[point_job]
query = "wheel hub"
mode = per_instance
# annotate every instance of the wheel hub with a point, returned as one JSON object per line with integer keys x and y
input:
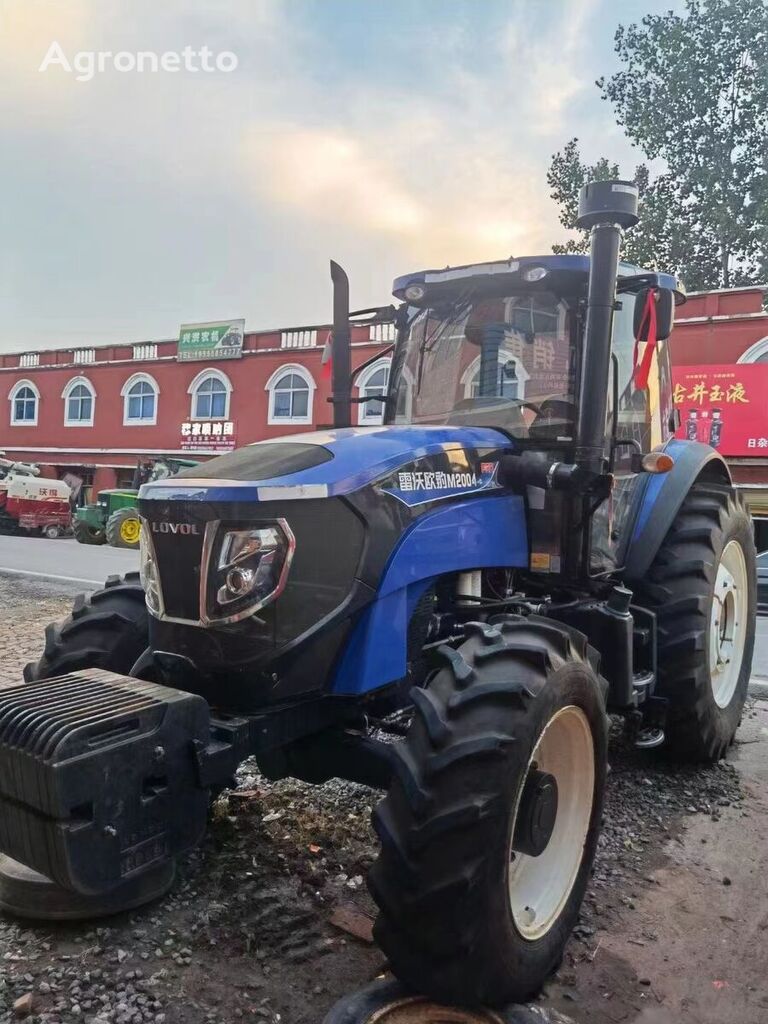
{"x": 536, "y": 814}
{"x": 552, "y": 818}
{"x": 129, "y": 531}
{"x": 728, "y": 622}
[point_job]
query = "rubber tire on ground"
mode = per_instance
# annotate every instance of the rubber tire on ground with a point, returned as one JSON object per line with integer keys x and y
{"x": 385, "y": 1001}
{"x": 27, "y": 894}
{"x": 680, "y": 589}
{"x": 86, "y": 534}
{"x": 51, "y": 532}
{"x": 107, "y": 629}
{"x": 440, "y": 880}
{"x": 114, "y": 527}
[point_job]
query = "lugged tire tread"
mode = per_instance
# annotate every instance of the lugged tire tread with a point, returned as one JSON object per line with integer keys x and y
{"x": 107, "y": 629}
{"x": 678, "y": 589}
{"x": 428, "y": 925}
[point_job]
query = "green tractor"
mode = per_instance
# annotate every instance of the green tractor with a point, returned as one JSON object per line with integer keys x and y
{"x": 113, "y": 519}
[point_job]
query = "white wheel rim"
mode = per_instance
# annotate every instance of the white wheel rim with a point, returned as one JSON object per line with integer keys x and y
{"x": 539, "y": 887}
{"x": 728, "y": 623}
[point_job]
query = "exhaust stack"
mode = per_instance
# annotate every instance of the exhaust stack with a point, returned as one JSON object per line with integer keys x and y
{"x": 341, "y": 356}
{"x": 605, "y": 207}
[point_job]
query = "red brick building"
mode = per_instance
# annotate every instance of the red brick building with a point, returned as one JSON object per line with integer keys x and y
{"x": 93, "y": 412}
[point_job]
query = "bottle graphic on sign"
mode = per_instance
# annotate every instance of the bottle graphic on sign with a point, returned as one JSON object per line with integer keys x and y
{"x": 692, "y": 425}
{"x": 716, "y": 428}
{"x": 703, "y": 431}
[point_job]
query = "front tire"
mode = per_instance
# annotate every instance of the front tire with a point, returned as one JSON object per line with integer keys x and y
{"x": 465, "y": 915}
{"x": 703, "y": 587}
{"x": 124, "y": 528}
{"x": 107, "y": 629}
{"x": 87, "y": 534}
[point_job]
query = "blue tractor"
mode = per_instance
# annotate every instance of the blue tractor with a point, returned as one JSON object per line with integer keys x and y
{"x": 520, "y": 548}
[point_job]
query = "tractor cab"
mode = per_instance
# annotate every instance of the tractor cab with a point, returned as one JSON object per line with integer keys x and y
{"x": 501, "y": 345}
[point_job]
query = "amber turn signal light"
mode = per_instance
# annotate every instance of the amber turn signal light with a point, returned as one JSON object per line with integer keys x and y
{"x": 657, "y": 462}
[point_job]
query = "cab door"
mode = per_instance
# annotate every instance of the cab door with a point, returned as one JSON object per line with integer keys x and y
{"x": 645, "y": 417}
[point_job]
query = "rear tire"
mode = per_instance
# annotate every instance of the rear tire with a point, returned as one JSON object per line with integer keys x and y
{"x": 87, "y": 534}
{"x": 464, "y": 917}
{"x": 52, "y": 531}
{"x": 108, "y": 629}
{"x": 705, "y": 640}
{"x": 124, "y": 528}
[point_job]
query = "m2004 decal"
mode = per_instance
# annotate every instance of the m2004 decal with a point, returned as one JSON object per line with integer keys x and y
{"x": 438, "y": 477}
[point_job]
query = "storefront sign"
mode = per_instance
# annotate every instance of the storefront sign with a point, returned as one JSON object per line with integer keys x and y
{"x": 208, "y": 436}
{"x": 222, "y": 339}
{"x": 724, "y": 406}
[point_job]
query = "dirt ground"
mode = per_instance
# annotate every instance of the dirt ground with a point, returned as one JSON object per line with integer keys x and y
{"x": 675, "y": 926}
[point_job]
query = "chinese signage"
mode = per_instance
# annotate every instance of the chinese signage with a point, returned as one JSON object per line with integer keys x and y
{"x": 724, "y": 406}
{"x": 208, "y": 436}
{"x": 220, "y": 340}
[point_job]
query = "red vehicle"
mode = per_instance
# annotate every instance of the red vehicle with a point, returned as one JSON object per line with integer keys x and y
{"x": 32, "y": 504}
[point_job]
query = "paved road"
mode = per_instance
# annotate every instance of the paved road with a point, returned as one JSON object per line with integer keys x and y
{"x": 64, "y": 559}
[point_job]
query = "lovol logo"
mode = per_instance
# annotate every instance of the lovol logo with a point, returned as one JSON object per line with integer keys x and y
{"x": 183, "y": 528}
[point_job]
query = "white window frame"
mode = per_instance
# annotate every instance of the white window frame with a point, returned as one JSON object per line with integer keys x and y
{"x": 125, "y": 394}
{"x": 69, "y": 388}
{"x": 306, "y": 376}
{"x": 364, "y": 418}
{"x": 754, "y": 352}
{"x": 468, "y": 377}
{"x": 195, "y": 384}
{"x": 12, "y": 398}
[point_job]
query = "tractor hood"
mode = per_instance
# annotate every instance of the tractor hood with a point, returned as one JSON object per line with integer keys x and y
{"x": 335, "y": 507}
{"x": 321, "y": 464}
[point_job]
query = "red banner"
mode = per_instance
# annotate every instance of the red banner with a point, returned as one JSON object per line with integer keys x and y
{"x": 724, "y": 405}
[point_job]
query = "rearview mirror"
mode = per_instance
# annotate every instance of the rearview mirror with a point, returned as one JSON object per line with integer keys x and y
{"x": 665, "y": 313}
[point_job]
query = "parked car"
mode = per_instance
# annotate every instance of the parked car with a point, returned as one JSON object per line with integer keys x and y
{"x": 762, "y": 581}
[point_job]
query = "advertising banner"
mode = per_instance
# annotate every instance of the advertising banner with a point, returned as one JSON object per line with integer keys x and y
{"x": 724, "y": 405}
{"x": 221, "y": 339}
{"x": 214, "y": 436}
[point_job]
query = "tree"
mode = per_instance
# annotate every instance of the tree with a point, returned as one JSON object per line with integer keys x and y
{"x": 693, "y": 95}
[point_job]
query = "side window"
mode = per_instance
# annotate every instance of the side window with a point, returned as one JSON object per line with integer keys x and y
{"x": 643, "y": 413}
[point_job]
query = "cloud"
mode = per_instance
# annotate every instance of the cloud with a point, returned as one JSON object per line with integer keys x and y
{"x": 147, "y": 199}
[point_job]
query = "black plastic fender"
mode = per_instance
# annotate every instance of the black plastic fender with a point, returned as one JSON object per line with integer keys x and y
{"x": 375, "y": 1002}
{"x": 666, "y": 493}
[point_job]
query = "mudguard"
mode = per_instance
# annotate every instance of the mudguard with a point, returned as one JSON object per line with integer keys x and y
{"x": 662, "y": 497}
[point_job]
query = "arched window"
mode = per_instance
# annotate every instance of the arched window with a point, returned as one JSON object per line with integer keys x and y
{"x": 373, "y": 381}
{"x": 139, "y": 395}
{"x": 210, "y": 390}
{"x": 757, "y": 353}
{"x": 291, "y": 391}
{"x": 24, "y": 398}
{"x": 79, "y": 403}
{"x": 511, "y": 380}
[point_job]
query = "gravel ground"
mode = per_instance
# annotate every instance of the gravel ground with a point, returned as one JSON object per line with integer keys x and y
{"x": 246, "y": 932}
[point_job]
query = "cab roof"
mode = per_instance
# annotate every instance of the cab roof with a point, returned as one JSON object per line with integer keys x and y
{"x": 563, "y": 274}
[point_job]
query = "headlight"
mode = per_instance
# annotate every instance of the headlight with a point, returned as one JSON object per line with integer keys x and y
{"x": 148, "y": 574}
{"x": 535, "y": 274}
{"x": 247, "y": 570}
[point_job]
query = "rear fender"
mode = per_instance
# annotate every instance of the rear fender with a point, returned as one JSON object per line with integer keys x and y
{"x": 663, "y": 496}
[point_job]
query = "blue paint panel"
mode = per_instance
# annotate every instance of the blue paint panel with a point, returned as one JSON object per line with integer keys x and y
{"x": 654, "y": 487}
{"x": 478, "y": 533}
{"x": 360, "y": 455}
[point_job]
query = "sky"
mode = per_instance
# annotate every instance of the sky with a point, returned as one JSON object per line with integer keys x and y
{"x": 390, "y": 135}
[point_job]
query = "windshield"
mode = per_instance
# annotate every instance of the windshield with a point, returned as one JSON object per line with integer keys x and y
{"x": 502, "y": 361}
